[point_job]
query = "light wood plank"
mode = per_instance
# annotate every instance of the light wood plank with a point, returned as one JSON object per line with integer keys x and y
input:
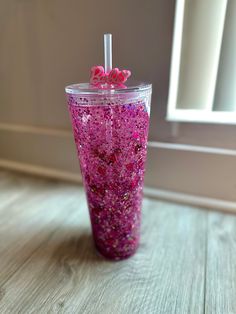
{"x": 29, "y": 219}
{"x": 11, "y": 187}
{"x": 221, "y": 264}
{"x": 64, "y": 274}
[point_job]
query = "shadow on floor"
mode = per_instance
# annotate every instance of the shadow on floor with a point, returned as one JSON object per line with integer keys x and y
{"x": 77, "y": 248}
{"x": 72, "y": 246}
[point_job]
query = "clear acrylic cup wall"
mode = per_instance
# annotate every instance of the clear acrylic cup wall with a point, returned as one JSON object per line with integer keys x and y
{"x": 110, "y": 128}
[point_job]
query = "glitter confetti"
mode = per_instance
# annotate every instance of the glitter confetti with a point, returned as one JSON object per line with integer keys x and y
{"x": 111, "y": 140}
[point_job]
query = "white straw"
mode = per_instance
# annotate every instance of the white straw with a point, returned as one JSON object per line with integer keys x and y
{"x": 107, "y": 52}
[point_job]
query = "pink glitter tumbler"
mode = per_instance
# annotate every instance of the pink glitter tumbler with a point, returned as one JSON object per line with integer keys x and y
{"x": 110, "y": 121}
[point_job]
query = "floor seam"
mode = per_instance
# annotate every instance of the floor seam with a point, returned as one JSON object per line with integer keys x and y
{"x": 205, "y": 266}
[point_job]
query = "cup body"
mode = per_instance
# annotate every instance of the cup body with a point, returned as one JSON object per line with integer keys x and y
{"x": 110, "y": 132}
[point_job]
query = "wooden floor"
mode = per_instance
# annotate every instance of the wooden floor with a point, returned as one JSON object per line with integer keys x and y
{"x": 186, "y": 262}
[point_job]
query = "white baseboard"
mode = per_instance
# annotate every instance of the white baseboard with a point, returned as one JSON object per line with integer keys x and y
{"x": 205, "y": 172}
{"x": 31, "y": 129}
{"x": 166, "y": 195}
{"x": 193, "y": 200}
{"x": 40, "y": 171}
{"x": 182, "y": 198}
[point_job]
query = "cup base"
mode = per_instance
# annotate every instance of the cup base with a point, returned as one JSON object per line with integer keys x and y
{"x": 112, "y": 256}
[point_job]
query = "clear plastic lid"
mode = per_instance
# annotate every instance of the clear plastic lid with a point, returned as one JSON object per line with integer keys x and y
{"x": 107, "y": 89}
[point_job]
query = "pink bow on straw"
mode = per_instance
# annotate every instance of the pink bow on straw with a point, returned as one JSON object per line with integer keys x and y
{"x": 115, "y": 76}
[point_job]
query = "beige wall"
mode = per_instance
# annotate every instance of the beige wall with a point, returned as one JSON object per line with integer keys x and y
{"x": 46, "y": 44}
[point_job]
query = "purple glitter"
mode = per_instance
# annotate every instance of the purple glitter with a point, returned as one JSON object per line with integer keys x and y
{"x": 111, "y": 143}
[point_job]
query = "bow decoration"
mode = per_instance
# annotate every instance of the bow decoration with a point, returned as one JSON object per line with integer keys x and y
{"x": 115, "y": 76}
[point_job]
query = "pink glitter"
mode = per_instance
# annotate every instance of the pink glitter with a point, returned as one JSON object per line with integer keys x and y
{"x": 111, "y": 142}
